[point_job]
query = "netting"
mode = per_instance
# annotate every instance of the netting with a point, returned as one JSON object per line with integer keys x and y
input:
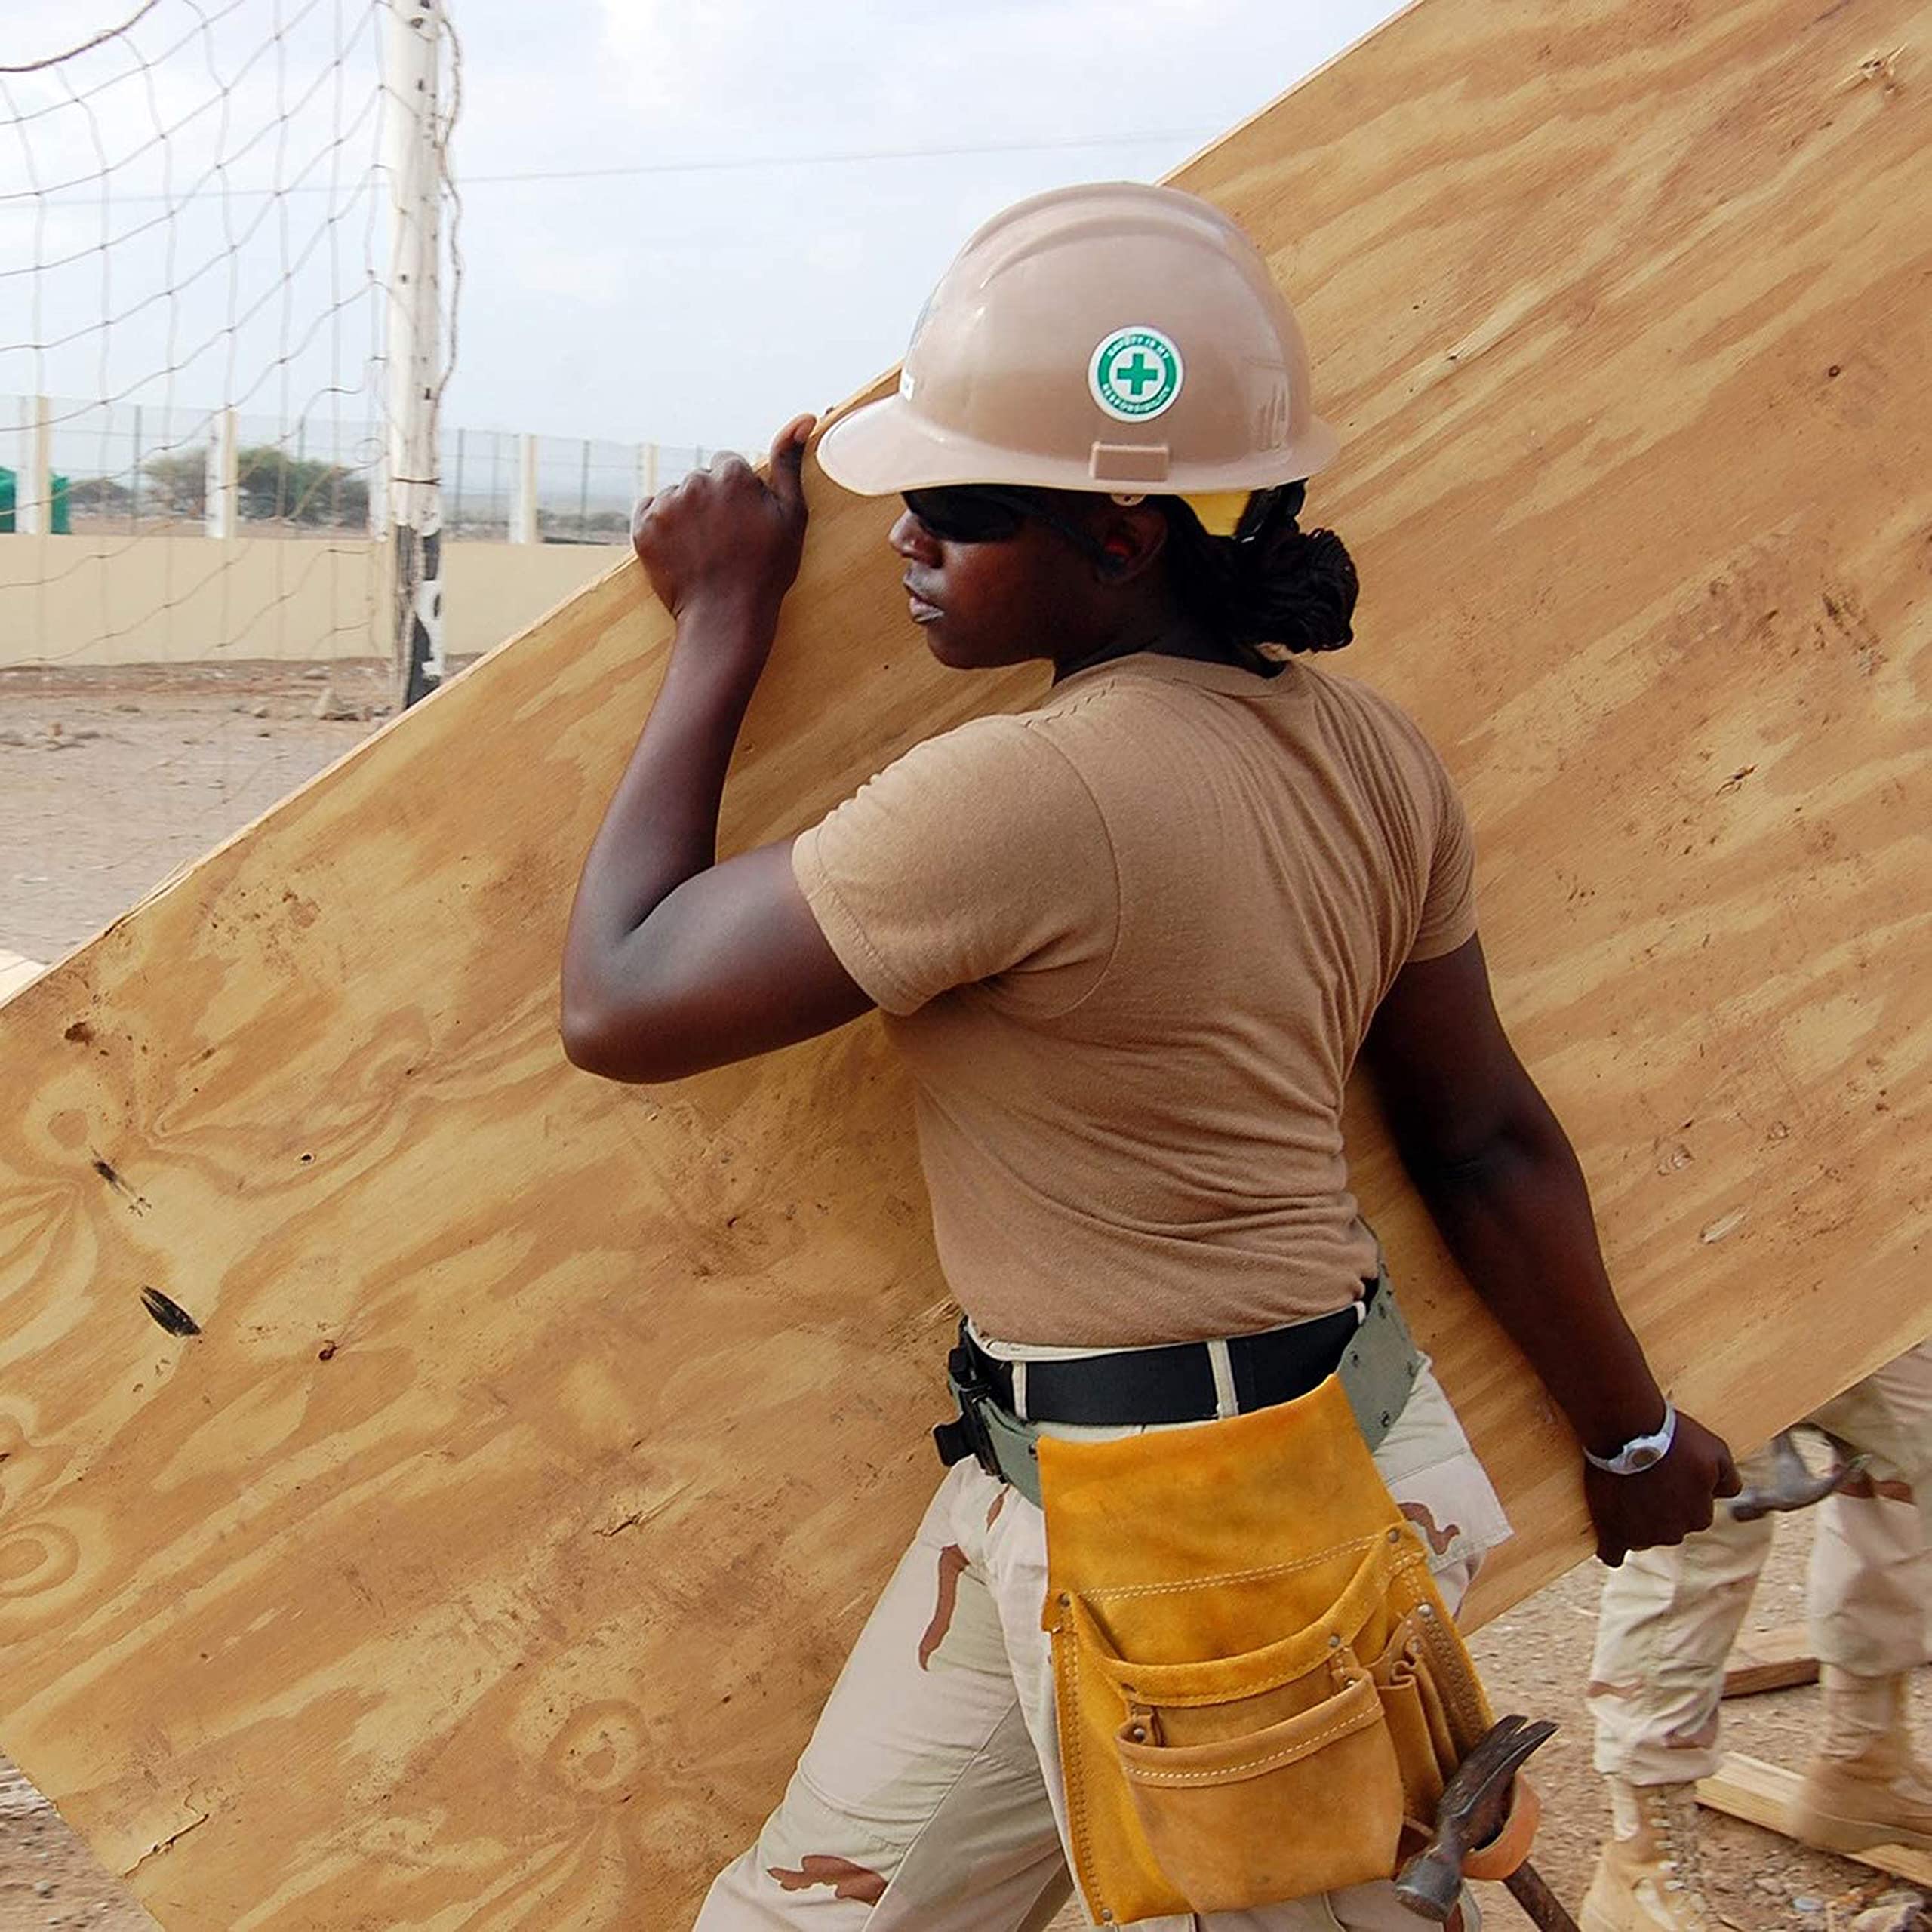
{"x": 202, "y": 256}
{"x": 194, "y": 231}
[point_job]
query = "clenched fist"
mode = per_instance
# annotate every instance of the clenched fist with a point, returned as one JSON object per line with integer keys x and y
{"x": 725, "y": 535}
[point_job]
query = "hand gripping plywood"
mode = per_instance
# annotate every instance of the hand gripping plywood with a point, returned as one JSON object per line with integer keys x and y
{"x": 436, "y": 1489}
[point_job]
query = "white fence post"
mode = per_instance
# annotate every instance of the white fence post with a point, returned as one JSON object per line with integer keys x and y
{"x": 412, "y": 35}
{"x": 647, "y": 469}
{"x": 224, "y": 477}
{"x": 523, "y": 506}
{"x": 33, "y": 488}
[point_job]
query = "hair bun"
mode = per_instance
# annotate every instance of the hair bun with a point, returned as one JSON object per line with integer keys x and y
{"x": 1271, "y": 590}
{"x": 1295, "y": 587}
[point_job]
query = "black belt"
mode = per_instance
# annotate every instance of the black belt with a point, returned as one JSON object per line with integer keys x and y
{"x": 1172, "y": 1384}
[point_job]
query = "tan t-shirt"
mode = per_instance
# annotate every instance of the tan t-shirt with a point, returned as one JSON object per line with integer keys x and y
{"x": 1129, "y": 944}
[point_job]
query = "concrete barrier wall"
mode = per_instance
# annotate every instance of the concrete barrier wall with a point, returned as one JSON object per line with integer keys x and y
{"x": 173, "y": 600}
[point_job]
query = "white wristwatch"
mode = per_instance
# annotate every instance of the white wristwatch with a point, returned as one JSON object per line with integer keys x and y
{"x": 1640, "y": 1452}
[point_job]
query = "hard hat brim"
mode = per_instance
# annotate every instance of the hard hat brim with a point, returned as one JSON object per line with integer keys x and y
{"x": 884, "y": 447}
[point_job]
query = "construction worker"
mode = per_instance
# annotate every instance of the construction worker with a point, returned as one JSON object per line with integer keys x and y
{"x": 1130, "y": 944}
{"x": 1670, "y": 1616}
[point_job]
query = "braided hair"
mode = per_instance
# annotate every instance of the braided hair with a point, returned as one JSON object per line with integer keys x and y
{"x": 1272, "y": 588}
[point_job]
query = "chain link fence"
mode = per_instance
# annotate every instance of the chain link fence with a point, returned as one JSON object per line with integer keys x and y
{"x": 134, "y": 469}
{"x": 130, "y": 469}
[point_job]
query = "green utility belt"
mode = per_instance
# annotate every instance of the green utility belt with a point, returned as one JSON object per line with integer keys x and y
{"x": 1367, "y": 1346}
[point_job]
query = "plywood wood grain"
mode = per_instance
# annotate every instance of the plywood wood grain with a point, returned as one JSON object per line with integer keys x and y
{"x": 479, "y": 1557}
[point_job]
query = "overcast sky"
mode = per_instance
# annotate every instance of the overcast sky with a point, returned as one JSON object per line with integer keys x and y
{"x": 738, "y": 271}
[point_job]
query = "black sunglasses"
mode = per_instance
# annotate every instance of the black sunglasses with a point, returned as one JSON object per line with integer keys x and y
{"x": 970, "y": 513}
{"x": 990, "y": 513}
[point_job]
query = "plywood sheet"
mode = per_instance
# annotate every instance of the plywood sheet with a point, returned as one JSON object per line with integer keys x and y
{"x": 481, "y": 1558}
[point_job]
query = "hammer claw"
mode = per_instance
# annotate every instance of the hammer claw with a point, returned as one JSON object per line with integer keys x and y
{"x": 1486, "y": 1772}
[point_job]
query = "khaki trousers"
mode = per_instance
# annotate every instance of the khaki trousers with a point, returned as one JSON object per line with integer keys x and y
{"x": 1669, "y": 1616}
{"x": 929, "y": 1799}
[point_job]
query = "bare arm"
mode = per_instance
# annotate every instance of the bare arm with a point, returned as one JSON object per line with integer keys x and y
{"x": 1501, "y": 1181}
{"x": 672, "y": 962}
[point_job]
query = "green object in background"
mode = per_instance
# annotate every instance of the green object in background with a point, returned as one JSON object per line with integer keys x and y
{"x": 62, "y": 521}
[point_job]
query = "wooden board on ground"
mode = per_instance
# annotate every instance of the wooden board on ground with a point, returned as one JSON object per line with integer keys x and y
{"x": 1779, "y": 1659}
{"x": 17, "y": 970}
{"x": 481, "y": 1556}
{"x": 1762, "y": 1794}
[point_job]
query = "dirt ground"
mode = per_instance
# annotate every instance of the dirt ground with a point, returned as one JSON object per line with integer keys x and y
{"x": 110, "y": 780}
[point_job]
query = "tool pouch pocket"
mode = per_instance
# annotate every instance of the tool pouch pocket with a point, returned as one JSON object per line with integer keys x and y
{"x": 1332, "y": 1769}
{"x": 1234, "y": 1735}
{"x": 1420, "y": 1729}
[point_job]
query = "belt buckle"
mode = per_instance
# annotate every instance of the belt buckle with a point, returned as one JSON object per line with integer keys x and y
{"x": 966, "y": 1434}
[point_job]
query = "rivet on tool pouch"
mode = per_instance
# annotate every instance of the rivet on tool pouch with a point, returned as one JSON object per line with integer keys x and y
{"x": 1258, "y": 1687}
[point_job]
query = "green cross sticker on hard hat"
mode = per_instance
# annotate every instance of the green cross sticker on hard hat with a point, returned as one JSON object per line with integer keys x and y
{"x": 1135, "y": 373}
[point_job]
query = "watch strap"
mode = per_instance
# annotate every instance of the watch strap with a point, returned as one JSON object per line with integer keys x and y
{"x": 1640, "y": 1452}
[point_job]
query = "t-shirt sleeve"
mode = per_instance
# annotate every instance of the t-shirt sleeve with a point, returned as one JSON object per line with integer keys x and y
{"x": 980, "y": 856}
{"x": 1449, "y": 897}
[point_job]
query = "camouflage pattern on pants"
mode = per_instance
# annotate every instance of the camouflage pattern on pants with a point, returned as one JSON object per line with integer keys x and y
{"x": 929, "y": 1798}
{"x": 1669, "y": 1616}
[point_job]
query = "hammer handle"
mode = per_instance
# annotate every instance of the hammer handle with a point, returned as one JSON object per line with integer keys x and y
{"x": 1546, "y": 1911}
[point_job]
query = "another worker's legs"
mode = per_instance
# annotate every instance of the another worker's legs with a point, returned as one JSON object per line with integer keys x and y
{"x": 1669, "y": 1618}
{"x": 1666, "y": 1623}
{"x": 1871, "y": 1585}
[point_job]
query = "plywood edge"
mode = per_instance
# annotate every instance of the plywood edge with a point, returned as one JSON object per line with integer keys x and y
{"x": 1176, "y": 176}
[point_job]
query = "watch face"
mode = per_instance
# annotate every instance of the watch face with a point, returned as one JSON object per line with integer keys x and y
{"x": 1645, "y": 1457}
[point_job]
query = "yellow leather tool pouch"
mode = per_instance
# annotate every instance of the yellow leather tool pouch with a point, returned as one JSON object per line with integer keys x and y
{"x": 1256, "y": 1682}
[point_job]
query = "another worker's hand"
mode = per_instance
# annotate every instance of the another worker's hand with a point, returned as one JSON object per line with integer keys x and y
{"x": 1667, "y": 1502}
{"x": 725, "y": 536}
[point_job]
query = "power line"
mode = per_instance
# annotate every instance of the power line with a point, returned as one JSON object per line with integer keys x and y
{"x": 731, "y": 163}
{"x": 728, "y": 163}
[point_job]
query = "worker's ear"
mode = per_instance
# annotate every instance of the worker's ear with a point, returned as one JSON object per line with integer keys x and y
{"x": 1130, "y": 537}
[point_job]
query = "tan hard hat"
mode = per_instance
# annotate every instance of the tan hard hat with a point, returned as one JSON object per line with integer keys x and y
{"x": 1116, "y": 337}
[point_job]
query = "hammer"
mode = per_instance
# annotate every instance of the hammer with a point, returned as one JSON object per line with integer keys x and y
{"x": 1791, "y": 1485}
{"x": 1483, "y": 1828}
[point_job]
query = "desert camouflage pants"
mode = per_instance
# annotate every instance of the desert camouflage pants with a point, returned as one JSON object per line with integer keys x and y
{"x": 929, "y": 1798}
{"x": 1669, "y": 1616}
